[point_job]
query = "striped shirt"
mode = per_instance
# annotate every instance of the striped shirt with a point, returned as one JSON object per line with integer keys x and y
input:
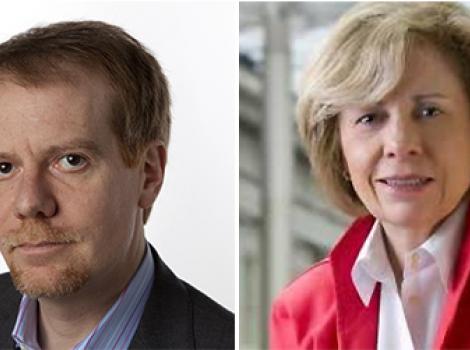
{"x": 115, "y": 330}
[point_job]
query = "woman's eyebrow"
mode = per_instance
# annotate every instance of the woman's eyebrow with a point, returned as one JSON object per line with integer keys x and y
{"x": 429, "y": 95}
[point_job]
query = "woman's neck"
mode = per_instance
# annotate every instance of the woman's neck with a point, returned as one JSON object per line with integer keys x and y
{"x": 398, "y": 243}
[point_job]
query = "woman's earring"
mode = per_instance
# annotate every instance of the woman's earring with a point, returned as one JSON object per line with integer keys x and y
{"x": 346, "y": 176}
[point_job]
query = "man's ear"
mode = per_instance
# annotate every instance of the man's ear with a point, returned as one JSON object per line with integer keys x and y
{"x": 153, "y": 163}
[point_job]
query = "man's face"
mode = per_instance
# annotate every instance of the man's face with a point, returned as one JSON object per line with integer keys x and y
{"x": 69, "y": 214}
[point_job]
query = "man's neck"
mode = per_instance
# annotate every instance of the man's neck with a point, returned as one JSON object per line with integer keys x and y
{"x": 63, "y": 322}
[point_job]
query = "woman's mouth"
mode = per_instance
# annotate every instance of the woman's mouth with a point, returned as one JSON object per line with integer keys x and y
{"x": 406, "y": 184}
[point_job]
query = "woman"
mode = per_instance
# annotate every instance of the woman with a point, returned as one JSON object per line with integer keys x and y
{"x": 385, "y": 115}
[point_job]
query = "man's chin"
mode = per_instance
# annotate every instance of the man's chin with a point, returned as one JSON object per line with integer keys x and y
{"x": 49, "y": 281}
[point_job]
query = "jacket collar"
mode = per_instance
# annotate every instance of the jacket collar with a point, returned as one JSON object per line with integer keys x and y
{"x": 453, "y": 328}
{"x": 167, "y": 319}
{"x": 357, "y": 324}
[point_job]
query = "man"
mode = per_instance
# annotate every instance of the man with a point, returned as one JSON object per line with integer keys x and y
{"x": 84, "y": 127}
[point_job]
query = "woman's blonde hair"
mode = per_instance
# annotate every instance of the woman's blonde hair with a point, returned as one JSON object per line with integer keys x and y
{"x": 363, "y": 61}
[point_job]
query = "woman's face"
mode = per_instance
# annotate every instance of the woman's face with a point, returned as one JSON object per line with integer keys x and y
{"x": 409, "y": 156}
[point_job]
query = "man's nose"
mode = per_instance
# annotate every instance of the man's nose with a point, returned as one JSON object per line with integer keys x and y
{"x": 402, "y": 137}
{"x": 34, "y": 198}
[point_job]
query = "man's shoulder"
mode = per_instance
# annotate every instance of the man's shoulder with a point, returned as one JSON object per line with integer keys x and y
{"x": 214, "y": 326}
{"x": 8, "y": 293}
{"x": 179, "y": 316}
{"x": 5, "y": 279}
{"x": 10, "y": 300}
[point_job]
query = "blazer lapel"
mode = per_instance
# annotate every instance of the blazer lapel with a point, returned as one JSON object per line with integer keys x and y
{"x": 167, "y": 320}
{"x": 453, "y": 330}
{"x": 357, "y": 324}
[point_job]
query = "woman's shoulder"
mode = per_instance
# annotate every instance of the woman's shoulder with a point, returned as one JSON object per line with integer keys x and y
{"x": 312, "y": 290}
{"x": 304, "y": 313}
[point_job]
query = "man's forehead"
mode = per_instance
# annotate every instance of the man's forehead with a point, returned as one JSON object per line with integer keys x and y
{"x": 83, "y": 91}
{"x": 54, "y": 114}
{"x": 74, "y": 79}
{"x": 42, "y": 72}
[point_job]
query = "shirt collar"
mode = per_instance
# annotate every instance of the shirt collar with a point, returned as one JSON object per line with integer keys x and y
{"x": 372, "y": 264}
{"x": 116, "y": 326}
{"x": 444, "y": 243}
{"x": 25, "y": 330}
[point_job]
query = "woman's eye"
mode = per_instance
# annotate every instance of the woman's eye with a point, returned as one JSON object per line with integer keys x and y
{"x": 366, "y": 119}
{"x": 429, "y": 112}
{"x": 5, "y": 168}
{"x": 72, "y": 162}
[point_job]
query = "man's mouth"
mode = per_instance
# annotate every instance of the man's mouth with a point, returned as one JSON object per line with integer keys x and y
{"x": 40, "y": 247}
{"x": 39, "y": 244}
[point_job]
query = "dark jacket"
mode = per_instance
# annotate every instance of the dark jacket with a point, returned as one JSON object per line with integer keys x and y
{"x": 176, "y": 315}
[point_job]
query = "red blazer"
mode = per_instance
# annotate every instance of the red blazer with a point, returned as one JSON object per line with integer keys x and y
{"x": 322, "y": 310}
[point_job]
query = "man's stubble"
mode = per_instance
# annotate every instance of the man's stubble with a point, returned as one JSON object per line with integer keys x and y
{"x": 59, "y": 277}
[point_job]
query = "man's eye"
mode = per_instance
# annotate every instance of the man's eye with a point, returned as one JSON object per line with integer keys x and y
{"x": 429, "y": 112}
{"x": 5, "y": 168}
{"x": 72, "y": 162}
{"x": 366, "y": 119}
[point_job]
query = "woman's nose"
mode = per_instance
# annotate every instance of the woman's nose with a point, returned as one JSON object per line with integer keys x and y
{"x": 34, "y": 198}
{"x": 402, "y": 137}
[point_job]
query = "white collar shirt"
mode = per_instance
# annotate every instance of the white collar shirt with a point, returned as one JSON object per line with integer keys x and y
{"x": 409, "y": 320}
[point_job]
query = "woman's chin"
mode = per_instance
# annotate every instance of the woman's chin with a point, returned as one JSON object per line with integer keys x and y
{"x": 408, "y": 215}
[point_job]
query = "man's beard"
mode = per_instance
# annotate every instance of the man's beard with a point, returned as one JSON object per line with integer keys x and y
{"x": 64, "y": 276}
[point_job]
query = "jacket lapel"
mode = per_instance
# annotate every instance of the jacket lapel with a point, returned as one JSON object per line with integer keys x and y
{"x": 453, "y": 330}
{"x": 167, "y": 319}
{"x": 357, "y": 324}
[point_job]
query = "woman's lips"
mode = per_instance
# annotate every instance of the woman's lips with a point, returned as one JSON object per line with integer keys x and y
{"x": 406, "y": 184}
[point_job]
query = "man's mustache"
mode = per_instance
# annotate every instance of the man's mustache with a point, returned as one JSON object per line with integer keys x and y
{"x": 34, "y": 232}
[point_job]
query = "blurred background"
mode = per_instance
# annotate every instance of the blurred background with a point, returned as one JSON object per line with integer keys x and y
{"x": 285, "y": 223}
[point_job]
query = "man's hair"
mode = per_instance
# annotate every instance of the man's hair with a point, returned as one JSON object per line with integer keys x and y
{"x": 140, "y": 107}
{"x": 364, "y": 59}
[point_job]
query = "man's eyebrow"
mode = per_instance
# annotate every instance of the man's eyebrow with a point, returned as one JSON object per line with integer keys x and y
{"x": 7, "y": 155}
{"x": 86, "y": 144}
{"x": 69, "y": 146}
